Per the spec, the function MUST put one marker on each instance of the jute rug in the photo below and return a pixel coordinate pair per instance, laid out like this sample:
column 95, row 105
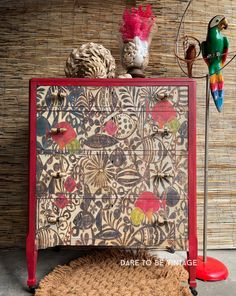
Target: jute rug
column 114, row 272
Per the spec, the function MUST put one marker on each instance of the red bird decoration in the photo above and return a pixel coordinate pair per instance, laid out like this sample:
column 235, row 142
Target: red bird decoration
column 190, row 56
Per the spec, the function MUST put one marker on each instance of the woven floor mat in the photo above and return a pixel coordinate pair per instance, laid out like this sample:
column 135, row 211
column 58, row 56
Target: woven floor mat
column 114, row 272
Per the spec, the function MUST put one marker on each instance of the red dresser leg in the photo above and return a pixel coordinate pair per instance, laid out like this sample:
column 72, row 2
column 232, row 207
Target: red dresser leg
column 31, row 254
column 192, row 265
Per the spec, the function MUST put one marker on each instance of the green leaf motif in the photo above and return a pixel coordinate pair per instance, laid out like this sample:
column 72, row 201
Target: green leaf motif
column 73, row 146
column 174, row 125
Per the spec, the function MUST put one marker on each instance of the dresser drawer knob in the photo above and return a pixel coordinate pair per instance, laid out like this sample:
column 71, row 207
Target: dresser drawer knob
column 162, row 97
column 57, row 130
column 54, row 220
column 170, row 249
column 161, row 220
column 58, row 95
column 164, row 175
column 58, row 175
column 162, row 131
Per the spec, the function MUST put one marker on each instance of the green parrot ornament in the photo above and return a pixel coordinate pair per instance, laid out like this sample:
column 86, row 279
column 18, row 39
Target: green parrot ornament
column 215, row 51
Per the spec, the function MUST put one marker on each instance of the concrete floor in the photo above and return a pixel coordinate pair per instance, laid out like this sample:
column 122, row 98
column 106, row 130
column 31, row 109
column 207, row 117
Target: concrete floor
column 13, row 273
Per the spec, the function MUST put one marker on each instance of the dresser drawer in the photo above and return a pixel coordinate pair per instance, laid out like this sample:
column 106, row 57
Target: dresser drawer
column 71, row 131
column 117, row 172
column 112, row 98
column 126, row 222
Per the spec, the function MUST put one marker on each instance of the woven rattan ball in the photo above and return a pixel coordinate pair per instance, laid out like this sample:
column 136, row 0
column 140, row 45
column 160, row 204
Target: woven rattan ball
column 91, row 60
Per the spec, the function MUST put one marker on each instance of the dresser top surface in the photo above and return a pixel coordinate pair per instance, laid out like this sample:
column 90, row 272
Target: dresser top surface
column 113, row 81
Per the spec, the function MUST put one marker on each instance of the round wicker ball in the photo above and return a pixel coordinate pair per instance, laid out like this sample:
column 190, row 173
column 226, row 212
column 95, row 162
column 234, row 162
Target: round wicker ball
column 91, row 60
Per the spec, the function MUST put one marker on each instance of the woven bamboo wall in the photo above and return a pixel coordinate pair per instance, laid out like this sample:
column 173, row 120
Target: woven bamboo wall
column 35, row 40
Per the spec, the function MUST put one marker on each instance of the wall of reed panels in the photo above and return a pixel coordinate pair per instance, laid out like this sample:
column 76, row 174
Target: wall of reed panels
column 35, row 40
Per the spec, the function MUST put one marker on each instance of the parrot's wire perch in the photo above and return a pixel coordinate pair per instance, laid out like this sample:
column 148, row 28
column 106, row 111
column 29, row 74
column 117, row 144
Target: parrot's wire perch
column 176, row 52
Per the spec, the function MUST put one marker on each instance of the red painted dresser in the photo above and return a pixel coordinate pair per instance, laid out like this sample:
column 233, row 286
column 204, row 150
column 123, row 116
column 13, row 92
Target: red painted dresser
column 112, row 163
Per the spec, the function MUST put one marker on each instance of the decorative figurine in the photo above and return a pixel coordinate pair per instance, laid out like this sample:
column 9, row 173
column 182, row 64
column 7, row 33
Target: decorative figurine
column 214, row 52
column 190, row 55
column 91, row 60
column 136, row 34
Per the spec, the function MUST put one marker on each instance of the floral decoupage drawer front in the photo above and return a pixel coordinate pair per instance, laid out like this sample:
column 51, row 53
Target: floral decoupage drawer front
column 118, row 172
column 132, row 221
column 73, row 131
column 112, row 98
